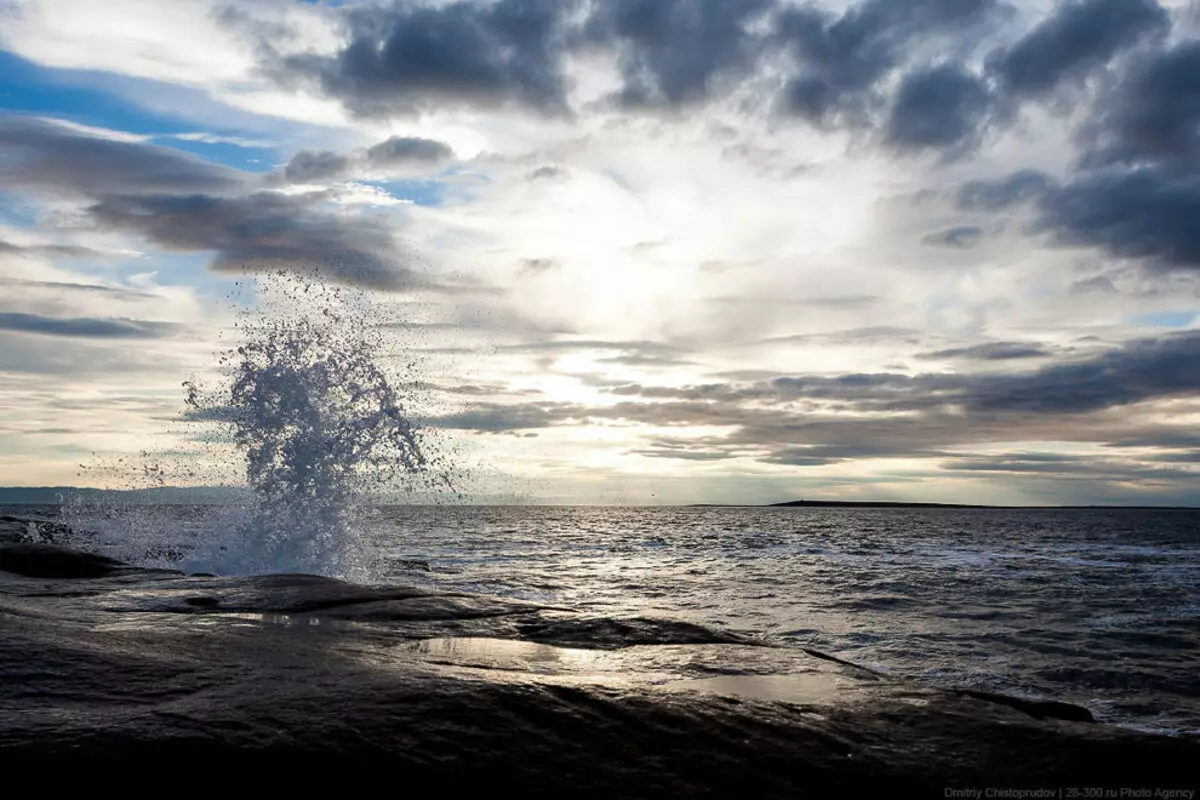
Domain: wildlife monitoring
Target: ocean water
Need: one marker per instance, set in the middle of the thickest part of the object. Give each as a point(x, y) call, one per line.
point(1097, 607)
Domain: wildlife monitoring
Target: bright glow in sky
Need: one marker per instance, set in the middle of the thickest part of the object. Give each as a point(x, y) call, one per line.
point(644, 251)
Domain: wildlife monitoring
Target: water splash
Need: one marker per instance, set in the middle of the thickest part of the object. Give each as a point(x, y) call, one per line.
point(320, 427)
point(314, 424)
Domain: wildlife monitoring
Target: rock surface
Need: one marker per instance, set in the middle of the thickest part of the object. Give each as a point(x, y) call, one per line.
point(312, 682)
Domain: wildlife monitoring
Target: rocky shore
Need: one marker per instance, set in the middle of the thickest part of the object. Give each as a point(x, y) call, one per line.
point(110, 670)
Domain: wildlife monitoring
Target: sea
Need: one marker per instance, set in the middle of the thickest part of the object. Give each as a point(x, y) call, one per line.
point(1099, 607)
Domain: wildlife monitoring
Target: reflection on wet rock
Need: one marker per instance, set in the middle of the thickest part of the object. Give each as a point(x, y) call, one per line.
point(124, 667)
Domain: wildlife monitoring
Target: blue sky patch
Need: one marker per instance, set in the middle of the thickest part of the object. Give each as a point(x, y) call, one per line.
point(1165, 319)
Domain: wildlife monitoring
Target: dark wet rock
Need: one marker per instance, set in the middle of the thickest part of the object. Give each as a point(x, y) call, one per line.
point(1039, 709)
point(605, 632)
point(21, 530)
point(48, 561)
point(313, 683)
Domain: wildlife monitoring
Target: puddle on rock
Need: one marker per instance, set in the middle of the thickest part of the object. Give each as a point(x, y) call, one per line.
point(819, 688)
point(512, 654)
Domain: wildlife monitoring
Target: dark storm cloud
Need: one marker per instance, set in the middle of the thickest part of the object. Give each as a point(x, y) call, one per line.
point(961, 237)
point(842, 59)
point(264, 232)
point(1077, 38)
point(673, 52)
point(992, 351)
point(42, 155)
point(942, 108)
point(869, 68)
point(1146, 214)
point(407, 59)
point(1154, 115)
point(1002, 193)
point(411, 58)
point(84, 327)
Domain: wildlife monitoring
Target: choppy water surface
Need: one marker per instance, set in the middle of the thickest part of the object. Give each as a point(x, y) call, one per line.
point(1100, 607)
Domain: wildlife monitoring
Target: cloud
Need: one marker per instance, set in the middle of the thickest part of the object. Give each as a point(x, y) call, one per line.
point(1097, 284)
point(674, 52)
point(409, 59)
point(841, 61)
point(992, 351)
point(309, 166)
point(643, 348)
point(1076, 39)
point(851, 336)
point(407, 151)
point(48, 250)
point(184, 204)
point(948, 405)
point(942, 107)
point(815, 420)
point(677, 451)
point(84, 327)
point(961, 237)
point(499, 418)
point(1144, 214)
point(397, 155)
point(1000, 194)
point(547, 173)
point(825, 454)
point(1140, 370)
point(644, 360)
point(90, 288)
point(265, 232)
point(1067, 465)
point(40, 154)
point(1153, 116)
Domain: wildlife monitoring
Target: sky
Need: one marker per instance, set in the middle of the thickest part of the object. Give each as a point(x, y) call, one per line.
point(628, 251)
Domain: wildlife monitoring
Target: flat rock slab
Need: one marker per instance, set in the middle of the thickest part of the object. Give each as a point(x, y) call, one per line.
point(314, 683)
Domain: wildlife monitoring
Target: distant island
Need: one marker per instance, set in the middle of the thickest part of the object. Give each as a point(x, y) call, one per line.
point(903, 504)
point(870, 504)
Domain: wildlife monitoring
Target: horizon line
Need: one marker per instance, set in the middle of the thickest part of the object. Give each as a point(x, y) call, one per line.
point(802, 503)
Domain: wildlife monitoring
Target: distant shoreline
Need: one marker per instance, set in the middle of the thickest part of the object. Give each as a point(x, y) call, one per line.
point(220, 495)
point(902, 504)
